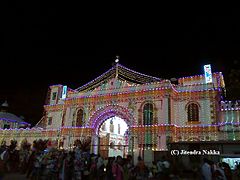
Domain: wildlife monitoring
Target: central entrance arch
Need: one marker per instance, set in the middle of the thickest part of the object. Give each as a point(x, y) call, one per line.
point(104, 113)
point(113, 138)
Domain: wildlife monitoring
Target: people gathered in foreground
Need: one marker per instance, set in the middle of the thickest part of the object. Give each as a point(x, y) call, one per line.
point(40, 163)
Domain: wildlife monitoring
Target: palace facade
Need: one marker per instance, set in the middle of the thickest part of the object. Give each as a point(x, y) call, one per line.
point(159, 114)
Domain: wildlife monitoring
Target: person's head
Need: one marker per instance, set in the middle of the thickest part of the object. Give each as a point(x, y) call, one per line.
point(225, 165)
point(119, 158)
point(205, 160)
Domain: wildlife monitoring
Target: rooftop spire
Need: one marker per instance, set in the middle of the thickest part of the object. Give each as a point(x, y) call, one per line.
point(116, 61)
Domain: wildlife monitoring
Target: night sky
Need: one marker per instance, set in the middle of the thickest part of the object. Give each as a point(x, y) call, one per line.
point(51, 45)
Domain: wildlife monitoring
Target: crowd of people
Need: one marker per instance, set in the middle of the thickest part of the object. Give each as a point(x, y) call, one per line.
point(218, 171)
point(74, 165)
point(41, 162)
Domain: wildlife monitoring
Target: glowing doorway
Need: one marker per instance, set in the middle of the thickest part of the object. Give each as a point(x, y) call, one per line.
point(113, 135)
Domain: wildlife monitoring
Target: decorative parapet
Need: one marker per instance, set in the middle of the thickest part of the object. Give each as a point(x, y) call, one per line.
point(77, 131)
point(230, 105)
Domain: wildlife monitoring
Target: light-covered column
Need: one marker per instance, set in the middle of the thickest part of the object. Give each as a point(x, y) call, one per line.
point(136, 150)
point(163, 144)
point(95, 144)
point(159, 142)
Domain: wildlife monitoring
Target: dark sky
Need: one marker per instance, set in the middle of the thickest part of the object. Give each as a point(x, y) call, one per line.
point(48, 45)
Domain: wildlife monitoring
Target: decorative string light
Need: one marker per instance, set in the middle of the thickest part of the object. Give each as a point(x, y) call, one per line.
point(108, 98)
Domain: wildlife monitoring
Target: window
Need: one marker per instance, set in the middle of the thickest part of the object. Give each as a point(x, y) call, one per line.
point(193, 112)
point(6, 126)
point(148, 139)
point(54, 95)
point(148, 114)
point(79, 121)
point(50, 121)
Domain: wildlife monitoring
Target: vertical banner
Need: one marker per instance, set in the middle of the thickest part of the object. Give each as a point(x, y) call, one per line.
point(208, 73)
point(64, 92)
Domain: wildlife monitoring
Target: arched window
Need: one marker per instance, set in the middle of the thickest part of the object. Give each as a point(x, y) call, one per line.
point(148, 114)
point(79, 121)
point(193, 112)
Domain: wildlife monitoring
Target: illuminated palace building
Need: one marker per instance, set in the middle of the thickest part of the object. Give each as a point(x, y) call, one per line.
point(126, 112)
